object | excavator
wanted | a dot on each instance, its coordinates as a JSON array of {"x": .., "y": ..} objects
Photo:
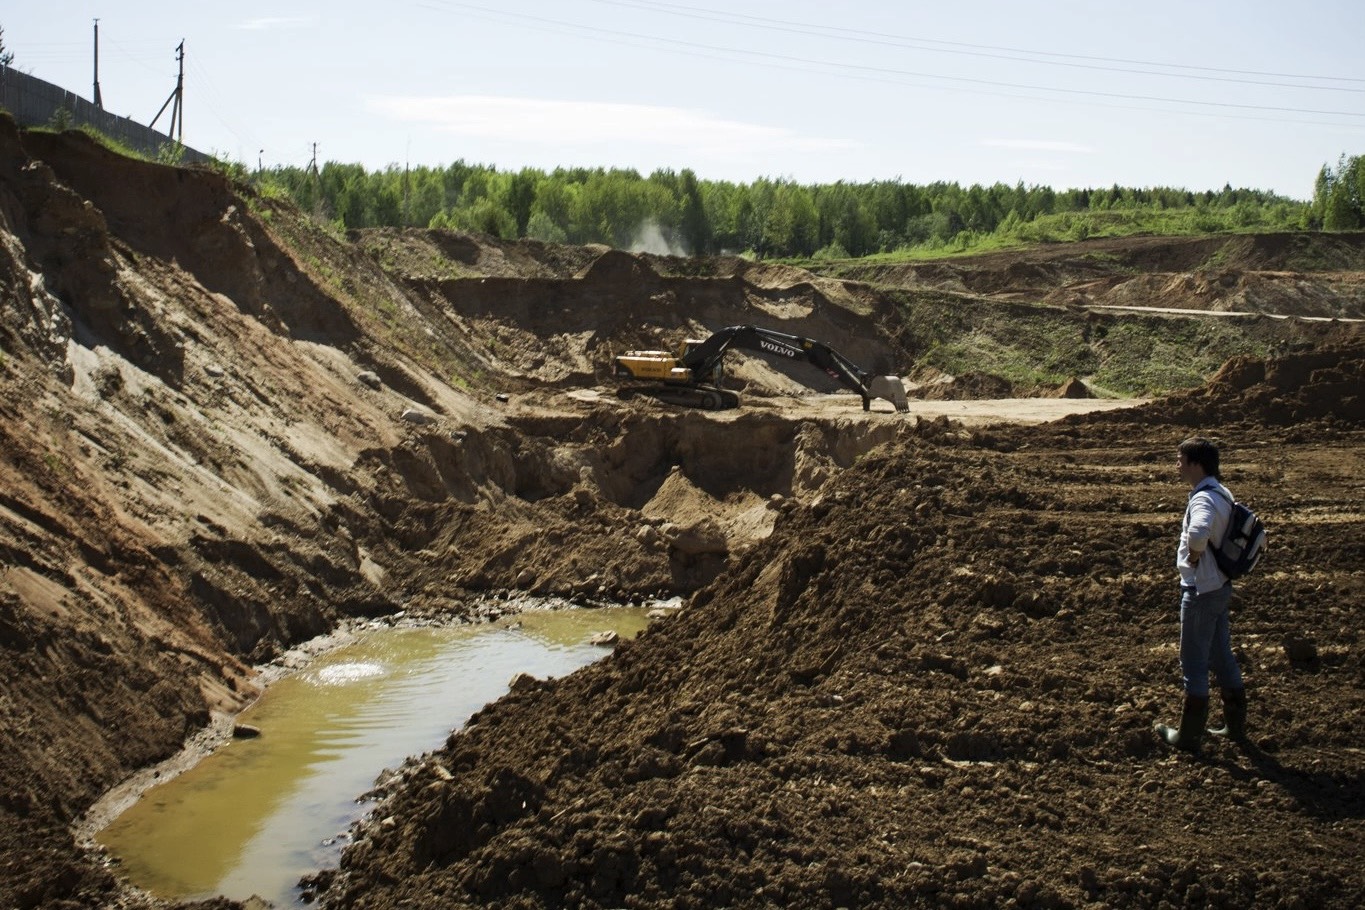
[{"x": 691, "y": 376}]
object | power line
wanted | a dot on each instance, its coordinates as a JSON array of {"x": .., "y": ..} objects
[
  {"x": 132, "y": 54},
  {"x": 212, "y": 99},
  {"x": 866, "y": 70},
  {"x": 979, "y": 50}
]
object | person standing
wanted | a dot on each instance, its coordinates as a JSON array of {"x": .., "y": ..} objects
[{"x": 1205, "y": 632}]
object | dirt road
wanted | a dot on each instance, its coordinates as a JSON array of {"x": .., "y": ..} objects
[{"x": 1222, "y": 313}]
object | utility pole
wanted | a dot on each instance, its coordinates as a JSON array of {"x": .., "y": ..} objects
[
  {"x": 407, "y": 186},
  {"x": 317, "y": 183},
  {"x": 99, "y": 101},
  {"x": 177, "y": 112}
]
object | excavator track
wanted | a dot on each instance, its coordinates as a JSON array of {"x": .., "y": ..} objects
[{"x": 707, "y": 399}]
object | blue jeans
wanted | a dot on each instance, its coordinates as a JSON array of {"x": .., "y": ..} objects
[{"x": 1206, "y": 641}]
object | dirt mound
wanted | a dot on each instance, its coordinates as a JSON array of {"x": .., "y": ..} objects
[
  {"x": 437, "y": 255},
  {"x": 1074, "y": 388},
  {"x": 194, "y": 219},
  {"x": 934, "y": 385},
  {"x": 224, "y": 434},
  {"x": 966, "y": 386},
  {"x": 618, "y": 505},
  {"x": 565, "y": 331},
  {"x": 935, "y": 685},
  {"x": 1323, "y": 386}
]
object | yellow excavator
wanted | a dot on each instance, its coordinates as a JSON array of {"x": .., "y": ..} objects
[{"x": 692, "y": 375}]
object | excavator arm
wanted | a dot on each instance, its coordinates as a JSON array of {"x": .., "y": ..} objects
[{"x": 704, "y": 358}]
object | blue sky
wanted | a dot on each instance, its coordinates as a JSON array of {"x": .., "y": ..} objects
[{"x": 1065, "y": 94}]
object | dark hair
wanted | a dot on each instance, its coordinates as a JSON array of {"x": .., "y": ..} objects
[{"x": 1202, "y": 452}]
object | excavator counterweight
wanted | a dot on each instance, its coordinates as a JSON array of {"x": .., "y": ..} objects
[{"x": 691, "y": 376}]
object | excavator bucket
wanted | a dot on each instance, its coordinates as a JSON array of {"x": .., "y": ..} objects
[{"x": 890, "y": 388}]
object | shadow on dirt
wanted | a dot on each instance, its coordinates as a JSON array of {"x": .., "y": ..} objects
[{"x": 1326, "y": 795}]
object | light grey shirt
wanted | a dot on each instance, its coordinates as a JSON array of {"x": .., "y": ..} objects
[{"x": 1206, "y": 521}]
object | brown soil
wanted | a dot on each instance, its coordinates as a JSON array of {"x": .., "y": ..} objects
[{"x": 920, "y": 658}]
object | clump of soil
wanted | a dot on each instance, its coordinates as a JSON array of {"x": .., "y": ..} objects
[{"x": 967, "y": 386}]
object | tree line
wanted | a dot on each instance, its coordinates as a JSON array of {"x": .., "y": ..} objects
[{"x": 778, "y": 218}]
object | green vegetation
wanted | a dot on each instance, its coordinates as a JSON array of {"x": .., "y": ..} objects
[
  {"x": 172, "y": 153},
  {"x": 1031, "y": 346},
  {"x": 1152, "y": 355},
  {"x": 1339, "y": 196},
  {"x": 233, "y": 170},
  {"x": 1127, "y": 222},
  {"x": 1040, "y": 347},
  {"x": 62, "y": 120},
  {"x": 769, "y": 218}
]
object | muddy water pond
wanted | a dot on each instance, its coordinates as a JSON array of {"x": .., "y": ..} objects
[{"x": 256, "y": 815}]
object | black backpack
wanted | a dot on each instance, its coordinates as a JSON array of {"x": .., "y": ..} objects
[{"x": 1243, "y": 543}]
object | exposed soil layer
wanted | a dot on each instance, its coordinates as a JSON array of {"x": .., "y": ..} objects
[
  {"x": 1300, "y": 274},
  {"x": 920, "y": 658}
]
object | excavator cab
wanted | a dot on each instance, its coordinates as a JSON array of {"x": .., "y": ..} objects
[{"x": 686, "y": 353}]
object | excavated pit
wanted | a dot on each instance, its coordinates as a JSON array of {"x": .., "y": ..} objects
[{"x": 613, "y": 502}]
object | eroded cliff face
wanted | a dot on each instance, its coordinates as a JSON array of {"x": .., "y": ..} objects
[{"x": 159, "y": 532}]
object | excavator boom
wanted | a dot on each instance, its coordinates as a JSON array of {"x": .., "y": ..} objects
[{"x": 695, "y": 371}]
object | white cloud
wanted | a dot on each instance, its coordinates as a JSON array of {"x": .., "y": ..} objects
[
  {"x": 576, "y": 123},
  {"x": 1039, "y": 145},
  {"x": 273, "y": 22}
]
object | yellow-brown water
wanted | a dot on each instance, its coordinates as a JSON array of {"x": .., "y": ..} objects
[{"x": 258, "y": 814}]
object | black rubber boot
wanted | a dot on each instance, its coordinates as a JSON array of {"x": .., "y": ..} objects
[
  {"x": 1234, "y": 716},
  {"x": 1191, "y": 731}
]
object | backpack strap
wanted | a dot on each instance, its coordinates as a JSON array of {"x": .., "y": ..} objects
[
  {"x": 1218, "y": 488},
  {"x": 1220, "y": 491}
]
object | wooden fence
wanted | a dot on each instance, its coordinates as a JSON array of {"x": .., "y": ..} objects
[{"x": 34, "y": 102}]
